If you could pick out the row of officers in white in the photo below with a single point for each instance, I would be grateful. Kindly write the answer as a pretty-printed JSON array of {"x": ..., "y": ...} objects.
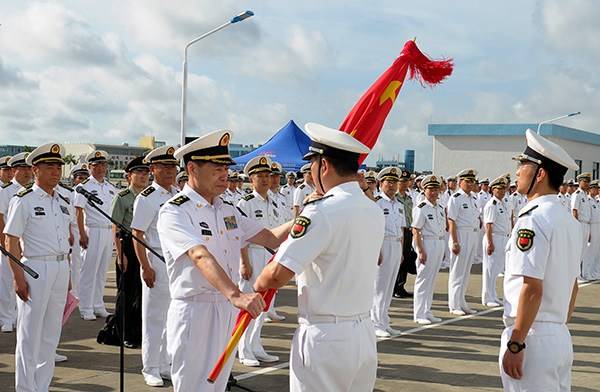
[{"x": 343, "y": 249}]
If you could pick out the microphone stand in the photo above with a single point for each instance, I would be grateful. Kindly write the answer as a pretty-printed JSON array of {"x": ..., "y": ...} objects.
[
  {"x": 124, "y": 231},
  {"x": 18, "y": 262}
]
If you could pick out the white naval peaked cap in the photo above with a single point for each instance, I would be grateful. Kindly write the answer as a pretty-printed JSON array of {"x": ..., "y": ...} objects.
[
  {"x": 587, "y": 176},
  {"x": 162, "y": 155},
  {"x": 96, "y": 156},
  {"x": 431, "y": 181},
  {"x": 261, "y": 163},
  {"x": 232, "y": 175},
  {"x": 79, "y": 168},
  {"x": 389, "y": 173},
  {"x": 276, "y": 168},
  {"x": 19, "y": 159},
  {"x": 467, "y": 173},
  {"x": 499, "y": 182},
  {"x": 46, "y": 153},
  {"x": 181, "y": 176},
  {"x": 371, "y": 175},
  {"x": 212, "y": 147},
  {"x": 332, "y": 142},
  {"x": 594, "y": 183},
  {"x": 305, "y": 168},
  {"x": 291, "y": 174},
  {"x": 543, "y": 152},
  {"x": 484, "y": 181},
  {"x": 4, "y": 161}
]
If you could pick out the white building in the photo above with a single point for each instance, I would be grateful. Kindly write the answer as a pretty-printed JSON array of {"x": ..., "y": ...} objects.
[{"x": 488, "y": 148}]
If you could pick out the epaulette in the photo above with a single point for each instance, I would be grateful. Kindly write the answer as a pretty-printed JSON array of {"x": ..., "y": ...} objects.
[
  {"x": 577, "y": 191},
  {"x": 227, "y": 202},
  {"x": 422, "y": 204},
  {"x": 316, "y": 200},
  {"x": 6, "y": 185},
  {"x": 456, "y": 194},
  {"x": 494, "y": 202},
  {"x": 147, "y": 191},
  {"x": 24, "y": 192},
  {"x": 85, "y": 181},
  {"x": 527, "y": 211},
  {"x": 124, "y": 192},
  {"x": 179, "y": 200},
  {"x": 66, "y": 199},
  {"x": 377, "y": 198},
  {"x": 302, "y": 186},
  {"x": 65, "y": 186},
  {"x": 248, "y": 197}
]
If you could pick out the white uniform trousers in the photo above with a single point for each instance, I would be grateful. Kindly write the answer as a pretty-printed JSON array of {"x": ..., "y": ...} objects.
[
  {"x": 8, "y": 298},
  {"x": 385, "y": 278},
  {"x": 93, "y": 268},
  {"x": 447, "y": 253},
  {"x": 75, "y": 262},
  {"x": 334, "y": 357},
  {"x": 426, "y": 274},
  {"x": 250, "y": 343},
  {"x": 591, "y": 254},
  {"x": 492, "y": 267},
  {"x": 460, "y": 267},
  {"x": 478, "y": 259},
  {"x": 39, "y": 324},
  {"x": 198, "y": 328},
  {"x": 155, "y": 307},
  {"x": 548, "y": 359}
]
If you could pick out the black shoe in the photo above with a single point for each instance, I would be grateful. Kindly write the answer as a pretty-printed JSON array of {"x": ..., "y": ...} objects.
[
  {"x": 403, "y": 294},
  {"x": 129, "y": 344}
]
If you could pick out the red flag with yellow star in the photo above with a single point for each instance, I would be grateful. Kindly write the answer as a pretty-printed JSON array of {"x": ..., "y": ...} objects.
[{"x": 366, "y": 118}]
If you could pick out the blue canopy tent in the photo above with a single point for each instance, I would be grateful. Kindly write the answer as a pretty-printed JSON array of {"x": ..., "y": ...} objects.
[{"x": 287, "y": 147}]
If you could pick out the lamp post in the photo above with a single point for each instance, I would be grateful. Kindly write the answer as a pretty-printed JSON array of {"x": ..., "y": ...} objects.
[
  {"x": 556, "y": 119},
  {"x": 235, "y": 19}
]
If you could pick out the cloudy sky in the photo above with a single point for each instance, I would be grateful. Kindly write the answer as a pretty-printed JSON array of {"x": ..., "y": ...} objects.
[{"x": 109, "y": 71}]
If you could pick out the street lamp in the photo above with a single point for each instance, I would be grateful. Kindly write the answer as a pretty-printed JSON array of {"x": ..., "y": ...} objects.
[
  {"x": 235, "y": 19},
  {"x": 556, "y": 119}
]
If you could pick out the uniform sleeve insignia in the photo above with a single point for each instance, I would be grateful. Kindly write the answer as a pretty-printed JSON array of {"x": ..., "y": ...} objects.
[
  {"x": 124, "y": 193},
  {"x": 456, "y": 194},
  {"x": 148, "y": 191},
  {"x": 525, "y": 239},
  {"x": 248, "y": 197},
  {"x": 422, "y": 205},
  {"x": 179, "y": 200},
  {"x": 299, "y": 227},
  {"x": 24, "y": 192}
]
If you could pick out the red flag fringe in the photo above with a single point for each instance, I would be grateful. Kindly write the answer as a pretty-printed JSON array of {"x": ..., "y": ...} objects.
[{"x": 426, "y": 71}]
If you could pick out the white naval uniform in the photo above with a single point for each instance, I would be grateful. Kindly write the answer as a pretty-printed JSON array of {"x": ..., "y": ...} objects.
[
  {"x": 391, "y": 254},
  {"x": 232, "y": 197},
  {"x": 8, "y": 298},
  {"x": 335, "y": 259},
  {"x": 497, "y": 213},
  {"x": 100, "y": 245},
  {"x": 74, "y": 256},
  {"x": 482, "y": 199},
  {"x": 517, "y": 201},
  {"x": 553, "y": 257},
  {"x": 462, "y": 209},
  {"x": 155, "y": 300},
  {"x": 285, "y": 209},
  {"x": 200, "y": 319},
  {"x": 564, "y": 200},
  {"x": 580, "y": 201},
  {"x": 41, "y": 221},
  {"x": 300, "y": 194},
  {"x": 590, "y": 269},
  {"x": 431, "y": 220},
  {"x": 443, "y": 201},
  {"x": 266, "y": 213},
  {"x": 288, "y": 192}
]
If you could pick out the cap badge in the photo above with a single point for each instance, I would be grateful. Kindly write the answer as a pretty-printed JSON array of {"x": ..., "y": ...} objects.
[
  {"x": 170, "y": 151},
  {"x": 262, "y": 161},
  {"x": 393, "y": 171},
  {"x": 55, "y": 149},
  {"x": 98, "y": 154}
]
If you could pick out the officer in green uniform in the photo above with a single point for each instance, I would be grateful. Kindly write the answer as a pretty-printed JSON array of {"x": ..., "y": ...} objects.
[
  {"x": 129, "y": 292},
  {"x": 408, "y": 253}
]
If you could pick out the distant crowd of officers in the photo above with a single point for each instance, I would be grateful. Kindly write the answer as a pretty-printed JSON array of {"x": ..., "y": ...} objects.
[{"x": 431, "y": 222}]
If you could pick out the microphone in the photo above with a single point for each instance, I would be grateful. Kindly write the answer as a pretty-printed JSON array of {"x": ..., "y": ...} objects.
[{"x": 89, "y": 195}]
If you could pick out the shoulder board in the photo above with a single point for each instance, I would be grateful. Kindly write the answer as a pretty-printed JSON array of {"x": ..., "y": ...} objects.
[
  {"x": 248, "y": 197},
  {"x": 527, "y": 211},
  {"x": 179, "y": 200},
  {"x": 421, "y": 205},
  {"x": 24, "y": 192},
  {"x": 494, "y": 202},
  {"x": 85, "y": 181},
  {"x": 377, "y": 198},
  {"x": 228, "y": 202},
  {"x": 456, "y": 194},
  {"x": 66, "y": 199},
  {"x": 124, "y": 193},
  {"x": 65, "y": 186},
  {"x": 317, "y": 200},
  {"x": 6, "y": 185},
  {"x": 578, "y": 191},
  {"x": 302, "y": 186},
  {"x": 148, "y": 191},
  {"x": 241, "y": 212}
]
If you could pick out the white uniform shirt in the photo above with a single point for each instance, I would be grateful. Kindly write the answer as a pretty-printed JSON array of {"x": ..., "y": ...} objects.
[
  {"x": 580, "y": 202},
  {"x": 288, "y": 192},
  {"x": 497, "y": 213},
  {"x": 548, "y": 249},
  {"x": 67, "y": 194},
  {"x": 482, "y": 198},
  {"x": 188, "y": 220},
  {"x": 301, "y": 193},
  {"x": 430, "y": 219},
  {"x": 595, "y": 215},
  {"x": 145, "y": 211},
  {"x": 334, "y": 252},
  {"x": 6, "y": 194},
  {"x": 106, "y": 192},
  {"x": 265, "y": 211},
  {"x": 419, "y": 197},
  {"x": 41, "y": 221},
  {"x": 564, "y": 200},
  {"x": 462, "y": 209},
  {"x": 393, "y": 212},
  {"x": 232, "y": 197},
  {"x": 284, "y": 210},
  {"x": 445, "y": 198},
  {"x": 518, "y": 201}
]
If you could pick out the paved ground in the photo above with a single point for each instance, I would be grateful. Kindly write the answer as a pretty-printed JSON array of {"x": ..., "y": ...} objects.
[{"x": 458, "y": 355}]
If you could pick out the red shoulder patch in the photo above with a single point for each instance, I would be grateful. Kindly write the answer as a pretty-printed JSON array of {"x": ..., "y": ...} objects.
[
  {"x": 525, "y": 239},
  {"x": 299, "y": 227}
]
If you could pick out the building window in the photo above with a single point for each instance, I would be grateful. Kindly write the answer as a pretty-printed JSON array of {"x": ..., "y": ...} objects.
[
  {"x": 596, "y": 170},
  {"x": 579, "y": 163}
]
